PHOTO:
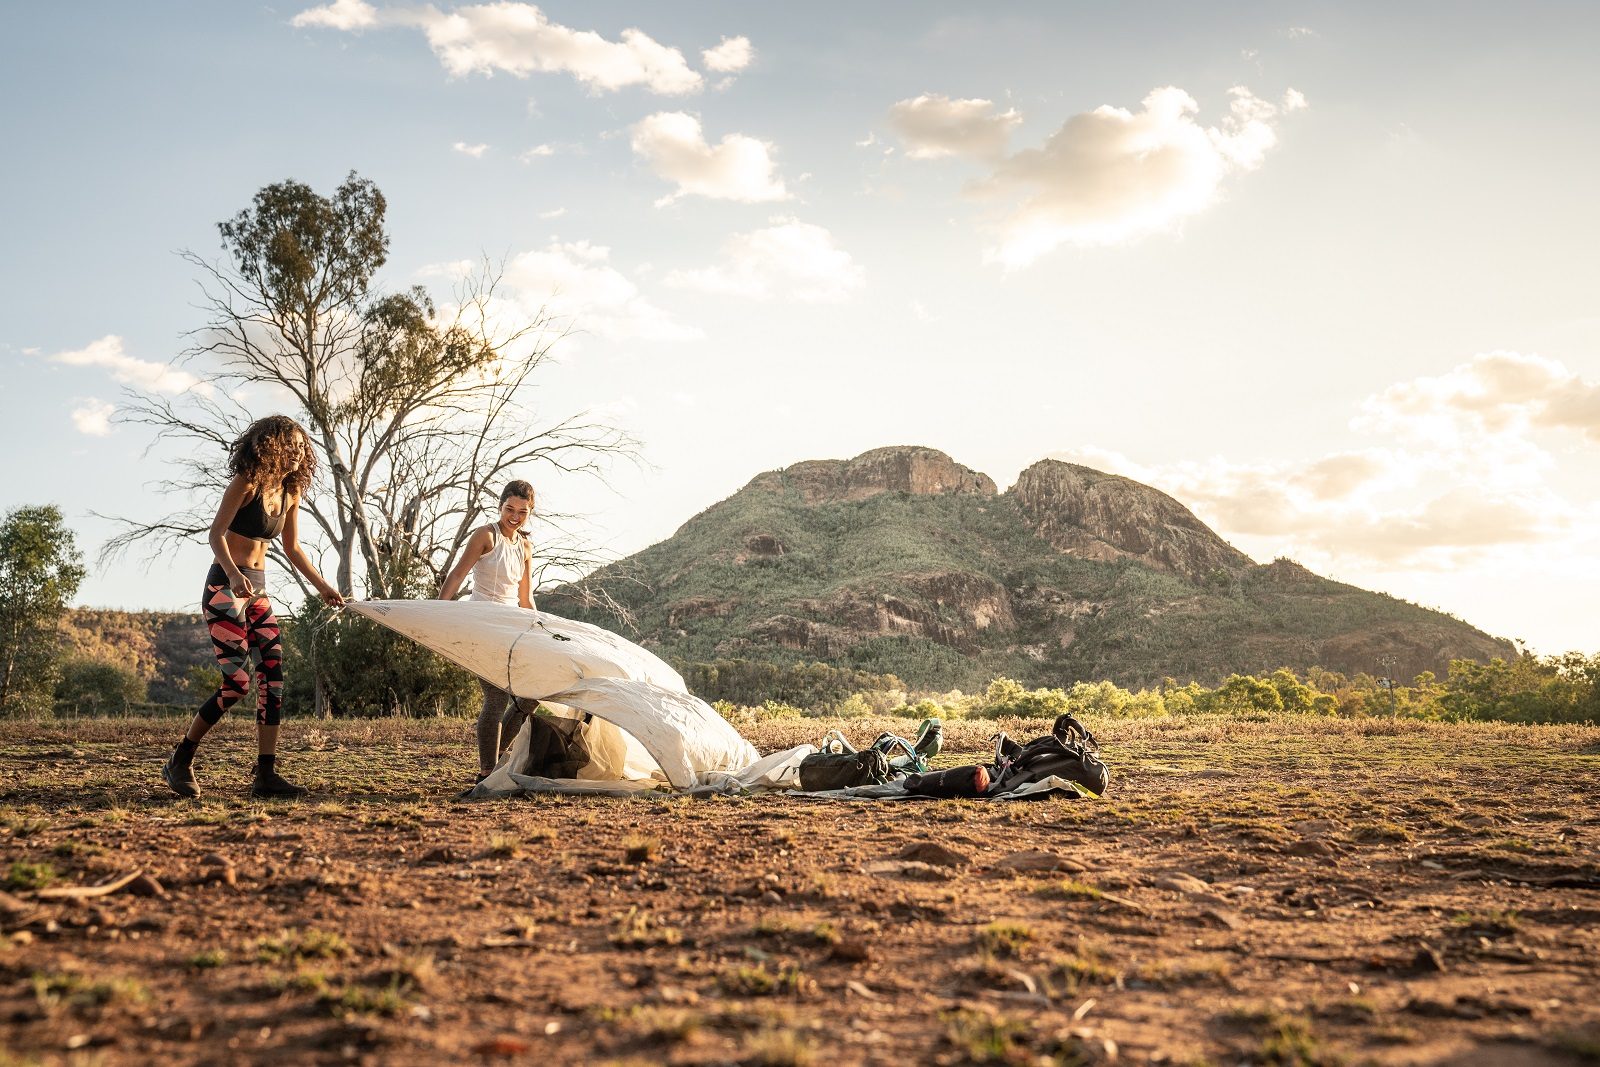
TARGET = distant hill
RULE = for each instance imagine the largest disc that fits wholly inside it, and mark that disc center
(902, 560)
(160, 646)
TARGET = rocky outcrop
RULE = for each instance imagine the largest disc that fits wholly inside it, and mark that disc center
(897, 469)
(1106, 517)
(864, 614)
(698, 607)
(982, 602)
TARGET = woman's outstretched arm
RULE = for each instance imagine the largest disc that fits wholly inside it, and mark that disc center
(297, 556)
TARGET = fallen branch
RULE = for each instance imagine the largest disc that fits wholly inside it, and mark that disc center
(509, 942)
(84, 892)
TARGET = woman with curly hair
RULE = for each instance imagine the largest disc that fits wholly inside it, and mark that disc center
(272, 464)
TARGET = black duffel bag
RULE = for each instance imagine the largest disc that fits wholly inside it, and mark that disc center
(822, 771)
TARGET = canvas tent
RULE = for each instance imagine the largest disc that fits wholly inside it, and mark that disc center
(646, 731)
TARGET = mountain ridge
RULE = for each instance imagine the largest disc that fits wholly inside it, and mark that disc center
(903, 560)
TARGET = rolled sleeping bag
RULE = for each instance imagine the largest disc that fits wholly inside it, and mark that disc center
(949, 784)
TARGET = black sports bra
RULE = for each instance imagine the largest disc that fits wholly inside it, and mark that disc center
(252, 520)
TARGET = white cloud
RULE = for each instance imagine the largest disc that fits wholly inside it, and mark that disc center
(737, 168)
(553, 213)
(538, 151)
(789, 258)
(733, 54)
(143, 374)
(339, 15)
(1499, 394)
(1300, 31)
(520, 40)
(1451, 472)
(93, 417)
(1110, 175)
(575, 283)
(934, 125)
(476, 151)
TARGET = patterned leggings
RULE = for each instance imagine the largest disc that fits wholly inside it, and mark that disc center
(239, 636)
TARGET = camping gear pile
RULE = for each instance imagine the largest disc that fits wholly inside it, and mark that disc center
(614, 719)
(1064, 761)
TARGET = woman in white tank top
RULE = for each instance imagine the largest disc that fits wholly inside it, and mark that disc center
(500, 560)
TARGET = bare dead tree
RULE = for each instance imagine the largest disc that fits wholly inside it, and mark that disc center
(419, 417)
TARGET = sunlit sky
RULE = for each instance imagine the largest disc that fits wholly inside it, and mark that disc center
(1327, 273)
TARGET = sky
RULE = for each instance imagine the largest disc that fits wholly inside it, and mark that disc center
(1326, 273)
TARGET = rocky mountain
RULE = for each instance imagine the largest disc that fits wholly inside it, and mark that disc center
(903, 561)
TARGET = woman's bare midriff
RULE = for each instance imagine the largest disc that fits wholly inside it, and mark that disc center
(247, 552)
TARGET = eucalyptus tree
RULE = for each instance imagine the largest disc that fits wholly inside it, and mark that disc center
(40, 570)
(418, 412)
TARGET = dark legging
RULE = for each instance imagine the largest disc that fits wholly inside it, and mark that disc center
(242, 631)
(498, 723)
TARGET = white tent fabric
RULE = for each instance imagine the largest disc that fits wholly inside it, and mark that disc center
(647, 730)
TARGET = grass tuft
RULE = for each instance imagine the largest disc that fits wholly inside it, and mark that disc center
(639, 929)
(295, 945)
(637, 848)
(1005, 940)
(25, 875)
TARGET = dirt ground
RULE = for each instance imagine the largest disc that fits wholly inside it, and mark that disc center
(1293, 892)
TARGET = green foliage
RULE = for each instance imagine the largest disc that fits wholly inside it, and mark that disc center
(40, 569)
(25, 875)
(1526, 689)
(98, 687)
(1006, 698)
(306, 249)
(201, 680)
(756, 682)
(161, 647)
(367, 669)
(1243, 694)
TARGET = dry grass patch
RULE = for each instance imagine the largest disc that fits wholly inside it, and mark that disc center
(66, 989)
(25, 875)
(779, 1048)
(1068, 889)
(758, 981)
(1005, 940)
(638, 929)
(637, 848)
(504, 846)
(295, 945)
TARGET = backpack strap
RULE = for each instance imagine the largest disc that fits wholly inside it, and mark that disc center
(1069, 731)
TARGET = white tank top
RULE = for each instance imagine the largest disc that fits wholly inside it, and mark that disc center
(497, 576)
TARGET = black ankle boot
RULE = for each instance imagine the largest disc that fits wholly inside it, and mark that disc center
(178, 772)
(270, 785)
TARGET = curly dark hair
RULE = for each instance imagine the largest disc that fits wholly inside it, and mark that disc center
(266, 452)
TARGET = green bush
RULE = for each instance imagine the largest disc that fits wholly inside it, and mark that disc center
(1243, 694)
(367, 669)
(1005, 698)
(1532, 689)
(97, 687)
(811, 685)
